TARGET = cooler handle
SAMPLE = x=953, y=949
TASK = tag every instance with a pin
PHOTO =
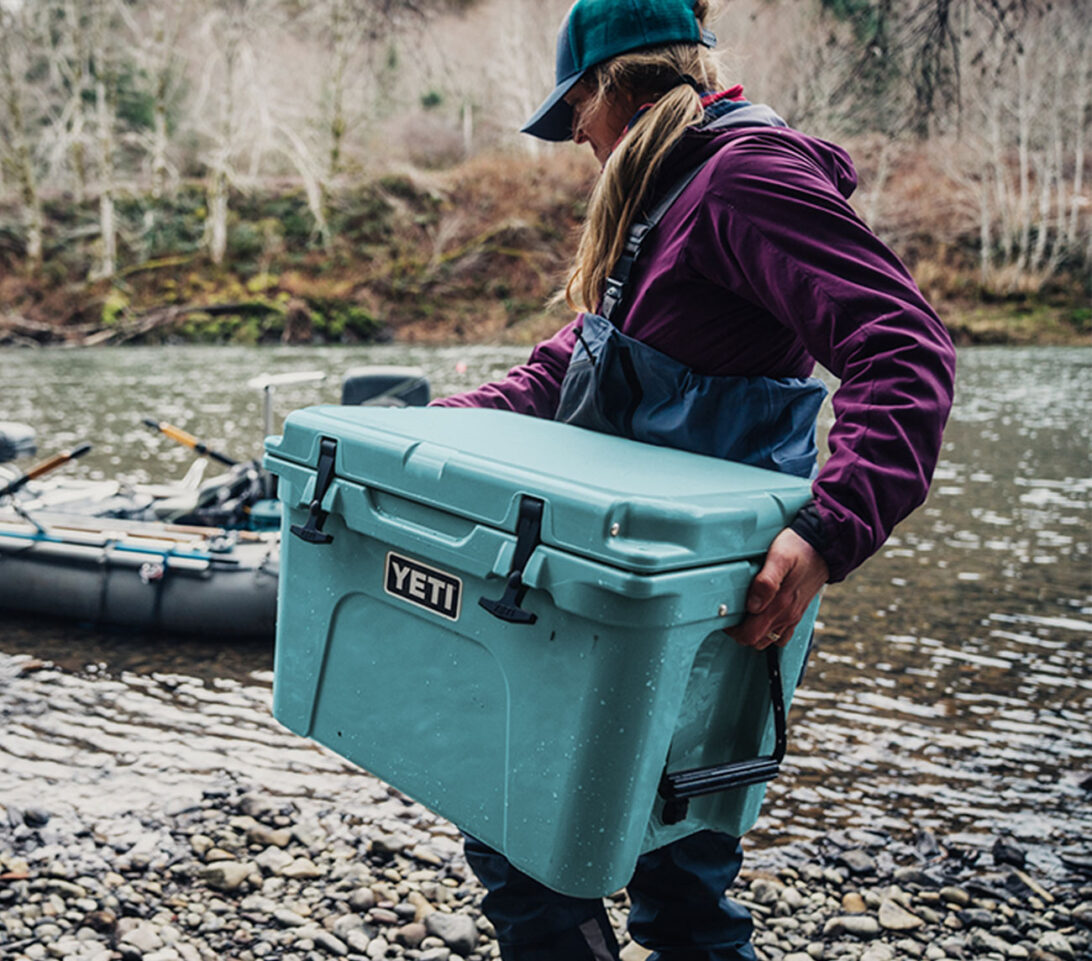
x=676, y=789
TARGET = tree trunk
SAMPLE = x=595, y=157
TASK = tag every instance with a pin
x=77, y=79
x=20, y=149
x=104, y=114
x=1023, y=139
x=216, y=225
x=218, y=213
x=339, y=41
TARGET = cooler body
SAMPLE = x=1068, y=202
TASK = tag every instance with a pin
x=542, y=721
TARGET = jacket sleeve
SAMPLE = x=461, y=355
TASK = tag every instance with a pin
x=533, y=388
x=786, y=239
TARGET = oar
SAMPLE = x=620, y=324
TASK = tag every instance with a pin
x=44, y=467
x=188, y=440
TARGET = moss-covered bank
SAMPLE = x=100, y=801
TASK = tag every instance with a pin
x=471, y=255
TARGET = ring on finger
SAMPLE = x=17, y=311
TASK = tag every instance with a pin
x=774, y=636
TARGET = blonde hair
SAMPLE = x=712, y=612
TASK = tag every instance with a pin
x=649, y=75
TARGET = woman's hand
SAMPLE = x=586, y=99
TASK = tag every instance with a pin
x=780, y=593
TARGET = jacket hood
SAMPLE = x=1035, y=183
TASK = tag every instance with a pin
x=743, y=119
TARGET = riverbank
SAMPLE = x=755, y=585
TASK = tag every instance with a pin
x=241, y=874
x=465, y=256
x=158, y=818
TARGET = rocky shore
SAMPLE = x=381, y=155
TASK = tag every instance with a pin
x=239, y=874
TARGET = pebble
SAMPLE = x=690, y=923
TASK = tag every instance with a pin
x=301, y=868
x=331, y=944
x=1054, y=942
x=895, y=917
x=457, y=931
x=297, y=880
x=227, y=875
x=859, y=925
x=853, y=903
x=857, y=861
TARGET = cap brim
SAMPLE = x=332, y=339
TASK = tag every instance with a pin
x=554, y=119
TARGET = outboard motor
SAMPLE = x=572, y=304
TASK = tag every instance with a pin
x=385, y=387
x=16, y=440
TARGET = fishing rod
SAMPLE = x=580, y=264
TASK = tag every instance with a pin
x=188, y=440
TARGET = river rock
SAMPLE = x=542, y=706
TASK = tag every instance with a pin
x=982, y=942
x=895, y=917
x=878, y=952
x=766, y=891
x=358, y=940
x=331, y=944
x=1056, y=943
x=144, y=937
x=265, y=835
x=411, y=935
x=301, y=868
x=857, y=861
x=859, y=925
x=1005, y=852
x=954, y=895
x=35, y=817
x=260, y=807
x=977, y=918
x=853, y=903
x=457, y=931
x=378, y=948
x=361, y=899
x=273, y=860
x=422, y=908
x=227, y=875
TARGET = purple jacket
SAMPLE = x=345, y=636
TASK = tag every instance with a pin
x=761, y=268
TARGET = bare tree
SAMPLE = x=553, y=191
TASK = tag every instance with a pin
x=20, y=158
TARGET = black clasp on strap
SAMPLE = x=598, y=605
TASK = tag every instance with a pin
x=676, y=789
x=528, y=531
x=324, y=474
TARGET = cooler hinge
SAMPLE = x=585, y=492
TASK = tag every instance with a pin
x=324, y=475
x=528, y=532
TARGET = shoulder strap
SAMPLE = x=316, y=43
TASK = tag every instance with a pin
x=638, y=231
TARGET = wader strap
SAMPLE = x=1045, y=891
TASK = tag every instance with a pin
x=640, y=229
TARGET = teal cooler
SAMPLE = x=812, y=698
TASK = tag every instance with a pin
x=519, y=623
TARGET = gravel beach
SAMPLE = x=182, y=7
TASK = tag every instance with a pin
x=241, y=874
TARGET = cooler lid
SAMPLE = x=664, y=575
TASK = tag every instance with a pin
x=635, y=506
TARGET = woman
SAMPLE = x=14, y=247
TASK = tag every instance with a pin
x=745, y=265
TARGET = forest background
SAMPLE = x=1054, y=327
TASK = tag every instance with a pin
x=350, y=170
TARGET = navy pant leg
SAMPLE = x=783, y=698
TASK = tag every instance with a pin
x=679, y=910
x=534, y=923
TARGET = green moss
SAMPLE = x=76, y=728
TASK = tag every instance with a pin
x=114, y=307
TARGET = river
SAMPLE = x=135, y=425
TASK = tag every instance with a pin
x=950, y=691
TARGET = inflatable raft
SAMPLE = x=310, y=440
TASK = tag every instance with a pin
x=145, y=575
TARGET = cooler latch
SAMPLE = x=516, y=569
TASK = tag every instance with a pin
x=324, y=475
x=528, y=531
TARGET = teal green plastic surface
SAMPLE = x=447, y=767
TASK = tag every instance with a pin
x=545, y=740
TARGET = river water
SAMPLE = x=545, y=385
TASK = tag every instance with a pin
x=950, y=691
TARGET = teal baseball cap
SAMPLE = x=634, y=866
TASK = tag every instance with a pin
x=596, y=30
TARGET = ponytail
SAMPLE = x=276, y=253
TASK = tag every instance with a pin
x=669, y=77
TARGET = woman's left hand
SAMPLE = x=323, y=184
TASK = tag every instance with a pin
x=792, y=575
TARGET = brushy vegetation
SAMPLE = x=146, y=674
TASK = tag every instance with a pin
x=472, y=254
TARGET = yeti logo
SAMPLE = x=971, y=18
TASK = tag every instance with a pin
x=424, y=586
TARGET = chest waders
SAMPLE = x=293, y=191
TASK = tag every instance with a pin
x=618, y=385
